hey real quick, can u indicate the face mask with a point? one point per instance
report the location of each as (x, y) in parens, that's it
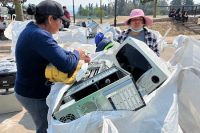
(141, 29)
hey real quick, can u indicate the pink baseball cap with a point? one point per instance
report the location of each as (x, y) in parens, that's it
(139, 13)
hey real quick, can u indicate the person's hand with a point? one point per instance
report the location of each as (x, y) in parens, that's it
(83, 55)
(86, 58)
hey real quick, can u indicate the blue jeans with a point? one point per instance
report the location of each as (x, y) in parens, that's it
(38, 110)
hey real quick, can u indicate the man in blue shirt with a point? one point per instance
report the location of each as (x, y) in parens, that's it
(35, 49)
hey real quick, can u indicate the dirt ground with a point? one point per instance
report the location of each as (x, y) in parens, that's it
(162, 27)
(177, 28)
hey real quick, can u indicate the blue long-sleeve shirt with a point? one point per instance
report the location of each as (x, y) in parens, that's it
(35, 49)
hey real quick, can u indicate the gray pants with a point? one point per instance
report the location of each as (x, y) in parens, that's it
(38, 111)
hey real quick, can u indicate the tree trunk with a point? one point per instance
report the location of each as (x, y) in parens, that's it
(18, 10)
(154, 8)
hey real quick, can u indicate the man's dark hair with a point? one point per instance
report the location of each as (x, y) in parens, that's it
(41, 19)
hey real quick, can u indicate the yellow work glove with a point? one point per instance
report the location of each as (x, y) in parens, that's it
(54, 75)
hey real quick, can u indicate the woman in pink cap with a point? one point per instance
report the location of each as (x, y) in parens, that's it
(137, 22)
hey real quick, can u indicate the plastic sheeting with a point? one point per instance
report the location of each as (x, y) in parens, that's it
(74, 34)
(13, 31)
(187, 52)
(188, 100)
(188, 56)
(175, 103)
(160, 115)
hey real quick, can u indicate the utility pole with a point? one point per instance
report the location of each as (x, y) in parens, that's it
(115, 19)
(73, 12)
(101, 12)
(154, 9)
